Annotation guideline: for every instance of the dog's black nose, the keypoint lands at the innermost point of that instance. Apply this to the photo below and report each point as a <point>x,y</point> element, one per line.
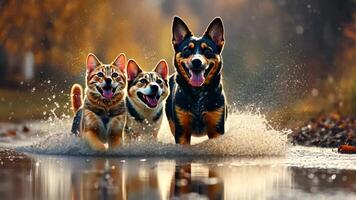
<point>196,63</point>
<point>108,81</point>
<point>154,88</point>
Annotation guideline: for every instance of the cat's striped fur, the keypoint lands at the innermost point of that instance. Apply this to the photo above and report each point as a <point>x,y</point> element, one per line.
<point>100,117</point>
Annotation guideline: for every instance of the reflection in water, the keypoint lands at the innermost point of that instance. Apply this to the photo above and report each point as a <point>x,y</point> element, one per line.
<point>15,176</point>
<point>332,180</point>
<point>196,180</point>
<point>254,181</point>
<point>51,177</point>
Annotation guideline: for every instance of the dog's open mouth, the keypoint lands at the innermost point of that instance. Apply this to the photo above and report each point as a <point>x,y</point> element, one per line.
<point>150,100</point>
<point>107,91</point>
<point>196,77</point>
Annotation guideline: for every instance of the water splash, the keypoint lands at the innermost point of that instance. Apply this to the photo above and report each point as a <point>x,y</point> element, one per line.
<point>247,134</point>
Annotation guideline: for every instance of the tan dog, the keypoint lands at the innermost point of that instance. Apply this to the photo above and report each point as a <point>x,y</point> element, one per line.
<point>146,93</point>
<point>101,119</point>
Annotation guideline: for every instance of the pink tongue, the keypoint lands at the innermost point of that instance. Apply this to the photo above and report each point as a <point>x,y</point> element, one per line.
<point>107,94</point>
<point>196,80</point>
<point>152,102</point>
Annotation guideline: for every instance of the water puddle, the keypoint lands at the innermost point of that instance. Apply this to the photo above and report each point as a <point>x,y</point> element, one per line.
<point>251,161</point>
<point>247,135</point>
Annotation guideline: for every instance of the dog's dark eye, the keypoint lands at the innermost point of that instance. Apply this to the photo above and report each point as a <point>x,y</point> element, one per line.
<point>208,53</point>
<point>159,81</point>
<point>143,81</point>
<point>100,74</point>
<point>186,51</point>
<point>114,75</point>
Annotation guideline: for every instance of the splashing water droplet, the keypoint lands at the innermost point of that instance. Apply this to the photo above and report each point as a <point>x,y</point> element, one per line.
<point>246,134</point>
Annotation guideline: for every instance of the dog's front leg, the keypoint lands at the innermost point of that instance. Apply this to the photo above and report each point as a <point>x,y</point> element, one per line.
<point>183,127</point>
<point>215,122</point>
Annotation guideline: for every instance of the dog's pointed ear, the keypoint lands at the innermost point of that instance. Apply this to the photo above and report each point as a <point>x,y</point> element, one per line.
<point>132,70</point>
<point>92,62</point>
<point>215,31</point>
<point>120,61</point>
<point>162,69</point>
<point>180,31</point>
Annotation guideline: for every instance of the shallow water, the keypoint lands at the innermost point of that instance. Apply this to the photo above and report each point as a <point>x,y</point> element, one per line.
<point>252,161</point>
<point>30,176</point>
<point>246,135</point>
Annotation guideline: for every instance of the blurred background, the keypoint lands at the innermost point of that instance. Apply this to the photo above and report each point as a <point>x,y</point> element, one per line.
<point>290,60</point>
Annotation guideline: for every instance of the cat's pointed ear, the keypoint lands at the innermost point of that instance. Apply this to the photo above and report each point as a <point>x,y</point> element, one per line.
<point>215,31</point>
<point>162,69</point>
<point>120,61</point>
<point>92,62</point>
<point>180,31</point>
<point>132,70</point>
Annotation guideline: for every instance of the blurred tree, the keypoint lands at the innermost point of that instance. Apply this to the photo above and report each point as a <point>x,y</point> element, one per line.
<point>276,52</point>
<point>43,27</point>
<point>61,33</point>
<point>346,59</point>
<point>3,64</point>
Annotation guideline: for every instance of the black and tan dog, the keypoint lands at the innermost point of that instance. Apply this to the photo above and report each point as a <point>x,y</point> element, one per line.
<point>196,105</point>
<point>146,93</point>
